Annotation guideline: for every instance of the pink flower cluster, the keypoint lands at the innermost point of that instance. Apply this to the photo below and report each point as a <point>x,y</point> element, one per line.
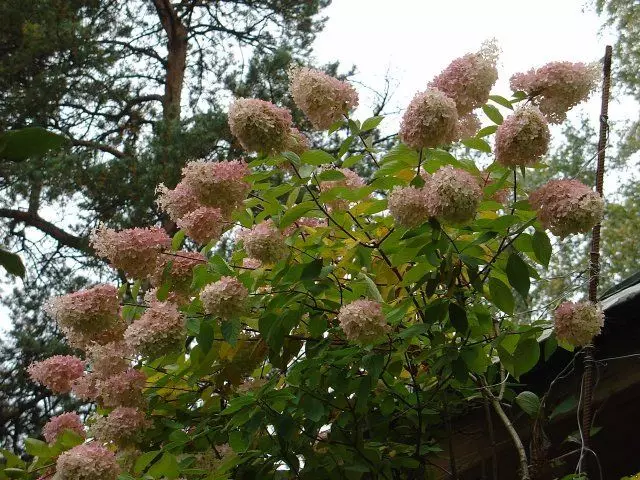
<point>177,202</point>
<point>567,206</point>
<point>122,389</point>
<point>179,266</point>
<point>226,298</point>
<point>204,224</point>
<point>450,194</point>
<point>113,357</point>
<point>87,312</point>
<point>218,184</point>
<point>260,126</point>
<point>203,201</point>
<point>89,461</point>
<point>57,372</point>
<point>363,321</point>
<point>134,250</point>
<point>122,426</point>
<point>557,86</point>
<point>409,206</point>
<point>578,323</point>
<point>264,242</point>
<point>159,330</point>
<point>523,138</point>
<point>468,79</point>
<point>430,120</point>
<point>59,424</point>
<point>453,194</point>
<point>468,125</point>
<point>297,142</point>
<point>322,98</point>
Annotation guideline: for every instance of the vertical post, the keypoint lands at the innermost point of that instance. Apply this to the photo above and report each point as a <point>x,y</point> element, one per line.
<point>594,263</point>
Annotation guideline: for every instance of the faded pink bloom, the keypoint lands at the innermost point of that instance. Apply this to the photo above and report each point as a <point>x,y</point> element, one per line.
<point>113,357</point>
<point>260,126</point>
<point>177,202</point>
<point>158,331</point>
<point>84,387</point>
<point>226,298</point>
<point>122,426</point>
<point>134,250</point>
<point>453,194</point>
<point>203,224</point>
<point>468,79</point>
<point>578,323</point>
<point>264,242</point>
<point>82,340</point>
<point>322,98</point>
<point>429,121</point>
<point>297,142</point>
<point>363,321</point>
<point>89,461</point>
<point>567,206</point>
<point>523,138</point>
<point>122,389</point>
<point>88,311</point>
<point>218,184</point>
<point>251,385</point>
<point>557,86</point>
<point>179,267</point>
<point>251,263</point>
<point>468,125</point>
<point>409,206</point>
<point>59,424</point>
<point>57,372</point>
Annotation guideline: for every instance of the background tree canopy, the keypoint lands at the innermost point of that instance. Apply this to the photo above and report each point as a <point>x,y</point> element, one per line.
<point>138,88</point>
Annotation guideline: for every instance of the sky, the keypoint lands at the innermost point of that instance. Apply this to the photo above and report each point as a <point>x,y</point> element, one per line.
<point>411,41</point>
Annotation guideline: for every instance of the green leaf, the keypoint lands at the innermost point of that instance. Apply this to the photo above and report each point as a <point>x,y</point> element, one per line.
<point>231,330</point>
<point>296,212</point>
<point>526,356</point>
<point>486,131</point>
<point>177,240</point>
<point>477,144</point>
<point>205,336</point>
<point>565,406</point>
<point>316,157</point>
<point>313,408</point>
<point>501,295</point>
<point>144,460</point>
<point>541,247</point>
<point>493,113</point>
<point>371,123</point>
<point>220,265</point>
<point>501,101</point>
<point>311,270</point>
<point>529,403</point>
<point>330,175</point>
<point>19,145</point>
<point>12,263</point>
<point>518,274</point>
<point>166,467</point>
<point>237,441</point>
<point>458,318</point>
<point>372,287</point>
<point>37,448</point>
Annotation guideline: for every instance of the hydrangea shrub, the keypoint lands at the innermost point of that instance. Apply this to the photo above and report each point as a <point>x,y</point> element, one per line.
<point>350,308</point>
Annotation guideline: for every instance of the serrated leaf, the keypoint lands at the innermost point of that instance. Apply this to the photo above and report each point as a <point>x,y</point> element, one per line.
<point>166,467</point>
<point>330,175</point>
<point>296,212</point>
<point>529,403</point>
<point>311,270</point>
<point>220,265</point>
<point>501,295</point>
<point>144,460</point>
<point>518,274</point>
<point>371,287</point>
<point>486,131</point>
